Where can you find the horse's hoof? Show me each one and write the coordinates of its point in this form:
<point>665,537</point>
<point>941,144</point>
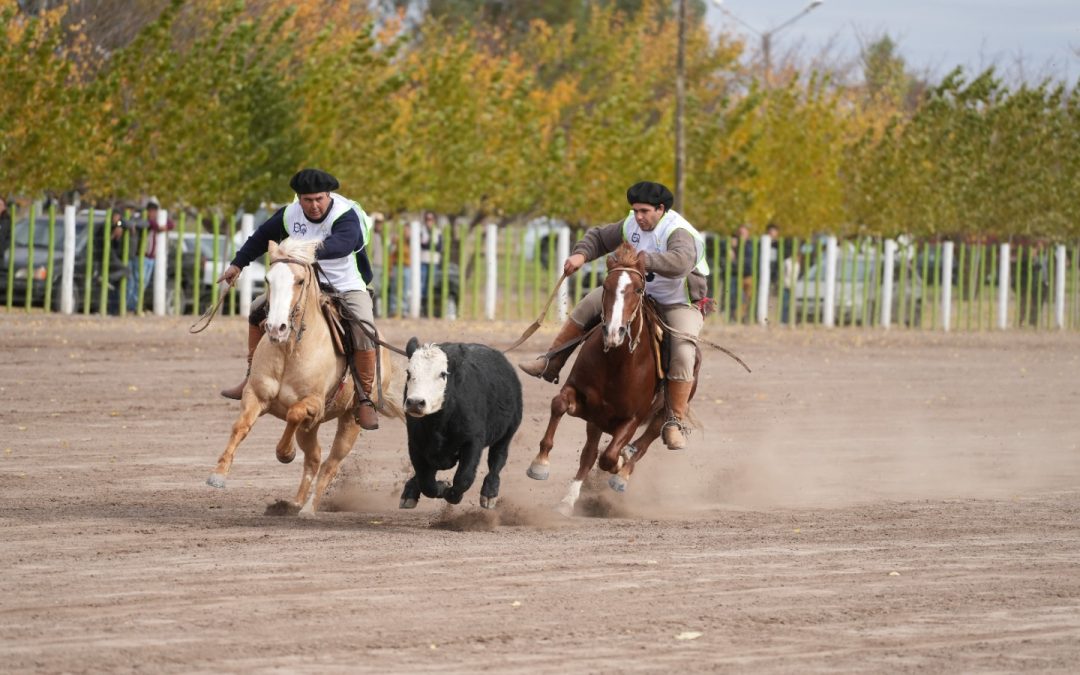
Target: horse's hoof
<point>538,471</point>
<point>565,509</point>
<point>288,457</point>
<point>617,483</point>
<point>407,503</point>
<point>488,502</point>
<point>216,480</point>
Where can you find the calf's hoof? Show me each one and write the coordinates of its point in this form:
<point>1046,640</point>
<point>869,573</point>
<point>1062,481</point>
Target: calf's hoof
<point>617,483</point>
<point>488,502</point>
<point>407,503</point>
<point>216,480</point>
<point>538,471</point>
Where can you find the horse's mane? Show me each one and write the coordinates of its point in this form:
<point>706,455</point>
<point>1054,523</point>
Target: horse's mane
<point>624,256</point>
<point>300,249</point>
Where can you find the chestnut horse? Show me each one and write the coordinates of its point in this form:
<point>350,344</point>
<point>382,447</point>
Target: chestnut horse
<point>614,385</point>
<point>298,376</point>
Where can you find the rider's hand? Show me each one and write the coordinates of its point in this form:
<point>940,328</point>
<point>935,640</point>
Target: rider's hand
<point>573,264</point>
<point>229,275</point>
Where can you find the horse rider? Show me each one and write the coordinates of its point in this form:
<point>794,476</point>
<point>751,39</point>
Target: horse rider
<point>675,278</point>
<point>344,229</point>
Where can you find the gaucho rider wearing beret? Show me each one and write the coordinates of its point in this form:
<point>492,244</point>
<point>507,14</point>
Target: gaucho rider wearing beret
<point>344,229</point>
<point>676,269</point>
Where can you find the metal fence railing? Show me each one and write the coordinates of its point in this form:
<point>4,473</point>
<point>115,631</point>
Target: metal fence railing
<point>488,273</point>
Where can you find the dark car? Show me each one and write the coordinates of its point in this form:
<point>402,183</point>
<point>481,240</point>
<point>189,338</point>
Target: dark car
<point>29,267</point>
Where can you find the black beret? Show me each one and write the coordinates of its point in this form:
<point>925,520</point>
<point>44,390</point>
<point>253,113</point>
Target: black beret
<point>647,192</point>
<point>310,181</point>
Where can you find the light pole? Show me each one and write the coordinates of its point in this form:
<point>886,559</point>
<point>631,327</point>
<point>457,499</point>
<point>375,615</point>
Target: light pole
<point>767,35</point>
<point>680,105</point>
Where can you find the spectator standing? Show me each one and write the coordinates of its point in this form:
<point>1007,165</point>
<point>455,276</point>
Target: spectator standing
<point>141,265</point>
<point>429,248</point>
<point>744,246</point>
<point>375,256</point>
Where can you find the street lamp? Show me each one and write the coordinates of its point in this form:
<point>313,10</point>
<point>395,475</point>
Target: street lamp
<point>767,35</point>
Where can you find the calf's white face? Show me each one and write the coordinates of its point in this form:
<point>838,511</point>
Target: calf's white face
<point>425,390</point>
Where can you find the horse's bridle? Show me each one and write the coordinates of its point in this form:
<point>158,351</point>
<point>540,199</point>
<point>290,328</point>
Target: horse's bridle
<point>302,302</point>
<point>635,340</point>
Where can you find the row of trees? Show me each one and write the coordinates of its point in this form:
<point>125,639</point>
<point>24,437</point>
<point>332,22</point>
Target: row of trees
<point>552,111</point>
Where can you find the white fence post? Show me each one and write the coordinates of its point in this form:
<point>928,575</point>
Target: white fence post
<point>1059,285</point>
<point>1003,287</point>
<point>562,245</point>
<point>161,263</point>
<point>887,283</point>
<point>414,289</point>
<point>829,311</point>
<point>764,267</point>
<point>491,255</point>
<point>67,272</point>
<point>946,285</point>
<point>247,226</point>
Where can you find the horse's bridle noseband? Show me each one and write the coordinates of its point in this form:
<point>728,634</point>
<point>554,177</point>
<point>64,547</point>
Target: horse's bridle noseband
<point>636,339</point>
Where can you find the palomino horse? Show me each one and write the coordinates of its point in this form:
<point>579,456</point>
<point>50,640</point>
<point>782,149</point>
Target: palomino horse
<point>614,385</point>
<point>298,376</point>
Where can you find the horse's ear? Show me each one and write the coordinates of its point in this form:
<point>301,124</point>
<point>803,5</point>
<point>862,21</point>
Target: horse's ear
<point>411,347</point>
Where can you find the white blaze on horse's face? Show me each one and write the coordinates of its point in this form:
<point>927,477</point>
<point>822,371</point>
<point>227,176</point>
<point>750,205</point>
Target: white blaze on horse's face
<point>282,292</point>
<point>615,330</point>
<point>425,389</point>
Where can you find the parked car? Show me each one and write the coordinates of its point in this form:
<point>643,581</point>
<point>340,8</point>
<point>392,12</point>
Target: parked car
<point>35,272</point>
<point>209,268</point>
<point>858,291</point>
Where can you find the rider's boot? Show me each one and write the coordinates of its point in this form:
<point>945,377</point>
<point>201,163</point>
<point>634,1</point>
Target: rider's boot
<point>255,334</point>
<point>366,415</point>
<point>678,400</point>
<point>549,369</point>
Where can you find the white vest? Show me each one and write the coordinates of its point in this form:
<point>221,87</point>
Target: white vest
<point>341,273</point>
<point>666,290</point>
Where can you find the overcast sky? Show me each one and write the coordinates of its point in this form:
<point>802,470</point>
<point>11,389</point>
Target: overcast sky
<point>933,37</point>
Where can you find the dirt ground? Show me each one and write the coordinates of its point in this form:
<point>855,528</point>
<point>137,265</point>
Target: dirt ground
<point>863,501</point>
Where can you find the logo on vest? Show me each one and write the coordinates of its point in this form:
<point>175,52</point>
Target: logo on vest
<point>299,228</point>
<point>635,237</point>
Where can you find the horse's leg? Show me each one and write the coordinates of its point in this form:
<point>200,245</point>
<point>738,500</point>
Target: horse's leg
<point>565,401</point>
<point>489,491</point>
<point>612,459</point>
<point>308,438</point>
<point>304,412</point>
<point>344,439</point>
<point>250,410</point>
<point>585,464</point>
<point>637,448</point>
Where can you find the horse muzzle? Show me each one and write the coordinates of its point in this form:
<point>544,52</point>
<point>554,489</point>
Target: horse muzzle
<point>613,337</point>
<point>277,333</point>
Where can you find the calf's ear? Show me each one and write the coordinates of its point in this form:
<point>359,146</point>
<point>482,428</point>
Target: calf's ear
<point>411,347</point>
